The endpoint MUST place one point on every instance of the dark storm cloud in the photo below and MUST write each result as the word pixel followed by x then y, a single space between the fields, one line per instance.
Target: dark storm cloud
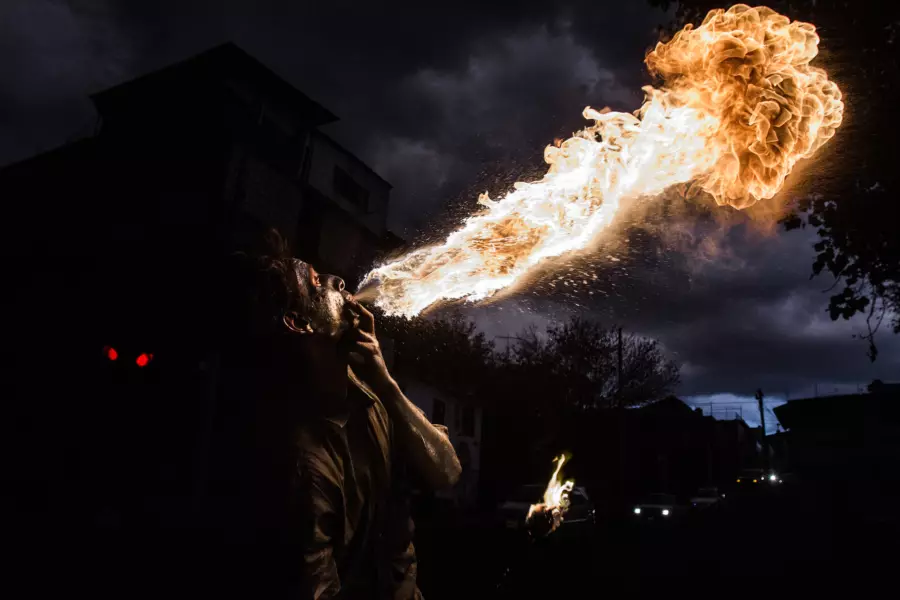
pixel 51 57
pixel 447 101
pixel 765 325
pixel 737 310
pixel 484 124
pixel 450 101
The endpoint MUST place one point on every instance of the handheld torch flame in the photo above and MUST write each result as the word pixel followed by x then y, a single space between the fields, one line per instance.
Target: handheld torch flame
pixel 556 493
pixel 738 107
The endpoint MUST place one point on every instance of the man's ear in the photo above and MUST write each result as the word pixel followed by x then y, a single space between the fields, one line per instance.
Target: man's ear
pixel 295 323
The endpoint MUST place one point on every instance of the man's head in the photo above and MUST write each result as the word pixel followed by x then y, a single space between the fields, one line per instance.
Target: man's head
pixel 316 303
pixel 289 296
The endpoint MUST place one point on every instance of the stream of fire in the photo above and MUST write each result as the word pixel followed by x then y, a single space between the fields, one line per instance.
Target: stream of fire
pixel 738 106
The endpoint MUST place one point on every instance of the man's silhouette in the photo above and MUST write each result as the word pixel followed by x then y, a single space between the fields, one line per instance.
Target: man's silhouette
pixel 333 441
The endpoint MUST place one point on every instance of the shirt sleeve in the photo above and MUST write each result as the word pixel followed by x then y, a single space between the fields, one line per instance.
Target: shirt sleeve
pixel 317 495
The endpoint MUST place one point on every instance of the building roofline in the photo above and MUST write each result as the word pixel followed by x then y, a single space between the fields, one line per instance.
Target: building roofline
pixel 225 57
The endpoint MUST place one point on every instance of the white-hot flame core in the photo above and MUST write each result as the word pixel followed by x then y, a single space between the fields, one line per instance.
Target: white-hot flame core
pixel 740 106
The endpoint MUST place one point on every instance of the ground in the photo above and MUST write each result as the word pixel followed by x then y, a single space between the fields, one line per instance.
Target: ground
pixel 808 533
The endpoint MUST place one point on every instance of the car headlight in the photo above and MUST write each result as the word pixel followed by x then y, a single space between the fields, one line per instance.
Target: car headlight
pixel 772 478
pixel 665 512
pixel 637 510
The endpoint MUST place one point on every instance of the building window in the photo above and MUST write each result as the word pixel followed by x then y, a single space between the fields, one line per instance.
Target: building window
pixel 439 413
pixel 349 190
pixel 467 427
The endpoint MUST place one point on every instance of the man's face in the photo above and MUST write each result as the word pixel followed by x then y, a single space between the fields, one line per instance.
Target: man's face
pixel 322 301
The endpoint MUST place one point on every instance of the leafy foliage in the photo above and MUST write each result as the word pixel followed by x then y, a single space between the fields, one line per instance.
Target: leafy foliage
pixel 576 366
pixel 570 367
pixel 447 352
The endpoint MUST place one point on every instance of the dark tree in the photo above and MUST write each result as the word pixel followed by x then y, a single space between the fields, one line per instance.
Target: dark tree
pixel 446 352
pixel 574 368
pixel 855 207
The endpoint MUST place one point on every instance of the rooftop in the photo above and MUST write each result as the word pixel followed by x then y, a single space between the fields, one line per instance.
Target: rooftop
pixel 218 64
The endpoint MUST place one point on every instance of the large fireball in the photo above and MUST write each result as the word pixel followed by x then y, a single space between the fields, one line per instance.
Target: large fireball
pixel 739 105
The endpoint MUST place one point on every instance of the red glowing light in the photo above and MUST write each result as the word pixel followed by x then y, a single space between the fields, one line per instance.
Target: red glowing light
pixel 143 360
pixel 111 353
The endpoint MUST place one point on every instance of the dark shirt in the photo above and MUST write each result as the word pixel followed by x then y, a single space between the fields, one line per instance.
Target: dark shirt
pixel 351 502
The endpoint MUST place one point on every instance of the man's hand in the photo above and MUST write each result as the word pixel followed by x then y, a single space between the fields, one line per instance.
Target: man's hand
pixel 542 520
pixel 364 350
pixel 427 447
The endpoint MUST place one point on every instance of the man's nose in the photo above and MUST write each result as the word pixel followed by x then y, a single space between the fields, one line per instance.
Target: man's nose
pixel 333 281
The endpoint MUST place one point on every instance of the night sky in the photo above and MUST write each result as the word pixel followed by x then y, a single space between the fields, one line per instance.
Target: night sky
pixel 447 104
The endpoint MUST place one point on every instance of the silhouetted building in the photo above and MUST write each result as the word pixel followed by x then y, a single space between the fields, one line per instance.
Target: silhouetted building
pixel 879 387
pixel 852 437
pixel 112 242
pixel 676 449
pixel 196 150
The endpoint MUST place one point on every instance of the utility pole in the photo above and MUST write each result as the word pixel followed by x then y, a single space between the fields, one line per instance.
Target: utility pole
pixel 507 338
pixel 622 421
pixel 619 372
pixel 762 412
pixel 762 429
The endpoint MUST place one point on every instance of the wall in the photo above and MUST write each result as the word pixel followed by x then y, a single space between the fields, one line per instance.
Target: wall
pixel 266 193
pixel 343 247
pixel 325 155
pixel 468 448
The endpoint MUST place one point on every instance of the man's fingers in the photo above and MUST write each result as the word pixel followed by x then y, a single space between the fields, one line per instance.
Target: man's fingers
pixel 366 318
pixel 360 336
pixel 365 348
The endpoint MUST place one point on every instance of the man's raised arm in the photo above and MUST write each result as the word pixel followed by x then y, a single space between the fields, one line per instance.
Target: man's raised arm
pixel 427 446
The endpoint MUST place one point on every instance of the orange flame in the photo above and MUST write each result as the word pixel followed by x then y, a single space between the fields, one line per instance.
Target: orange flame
pixel 739 106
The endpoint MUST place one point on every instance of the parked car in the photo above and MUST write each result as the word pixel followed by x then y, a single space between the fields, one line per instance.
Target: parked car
pixel 513 510
pixel 580 512
pixel 657 508
pixel 707 498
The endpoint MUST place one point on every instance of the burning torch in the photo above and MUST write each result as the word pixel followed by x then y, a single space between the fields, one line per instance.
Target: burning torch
pixel 543 518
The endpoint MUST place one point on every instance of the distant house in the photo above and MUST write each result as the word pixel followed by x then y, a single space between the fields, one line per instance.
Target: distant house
pixel 847 450
pixel 855 437
pixel 464 422
pixel 674 448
